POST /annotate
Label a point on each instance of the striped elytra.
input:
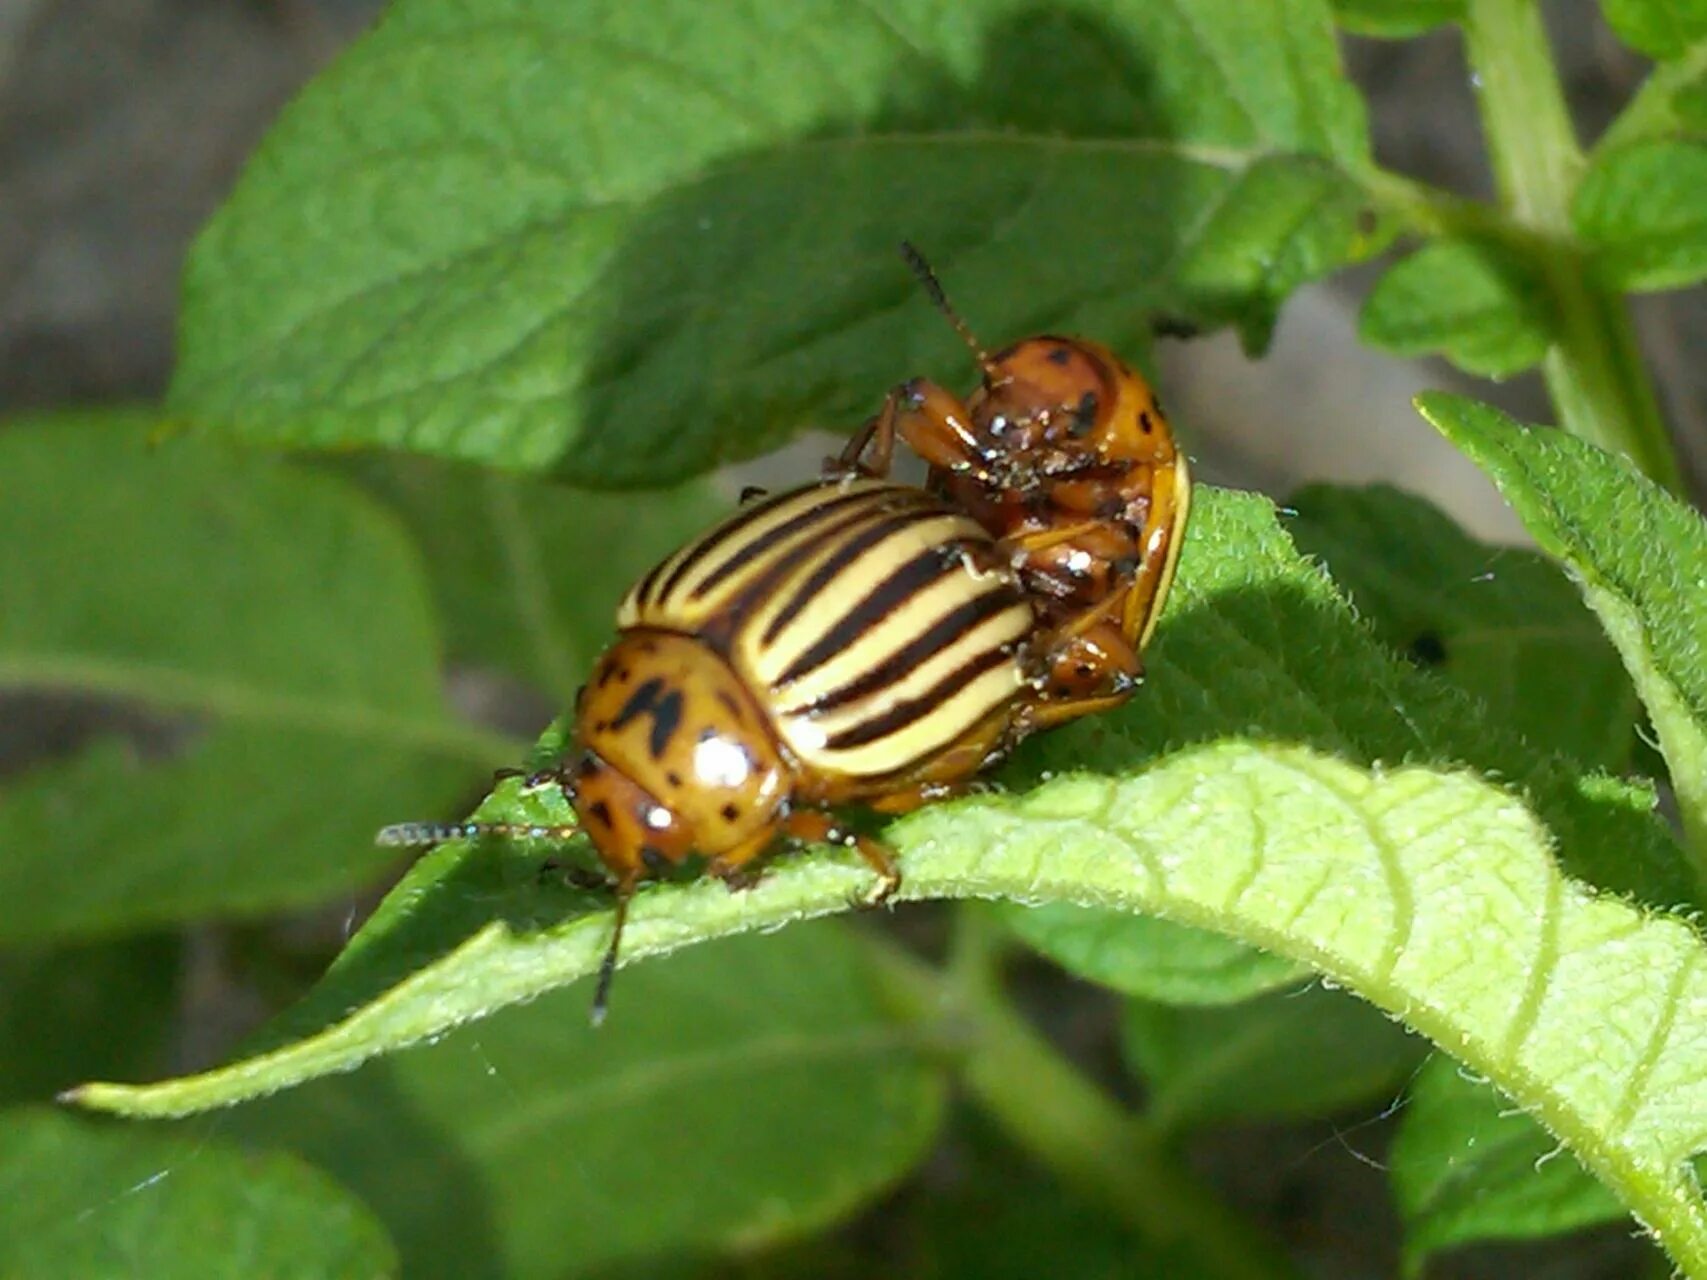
(879, 624)
(852, 642)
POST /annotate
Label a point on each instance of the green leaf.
(1504, 624)
(1467, 1167)
(1476, 303)
(1255, 643)
(74, 1012)
(646, 242)
(92, 1201)
(1640, 557)
(1431, 894)
(1395, 19)
(745, 1093)
(528, 574)
(274, 626)
(1149, 957)
(1641, 210)
(1286, 1055)
(1659, 28)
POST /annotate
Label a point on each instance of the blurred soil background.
(124, 122)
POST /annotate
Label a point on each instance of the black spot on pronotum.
(639, 703)
(651, 700)
(1085, 416)
(673, 778)
(1146, 423)
(1060, 355)
(666, 719)
(1427, 650)
(729, 813)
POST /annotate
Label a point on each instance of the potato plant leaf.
(1284, 1055)
(78, 1198)
(268, 633)
(1467, 1167)
(1659, 28)
(1641, 209)
(1502, 623)
(1476, 303)
(743, 1093)
(1640, 557)
(526, 573)
(626, 245)
(1428, 891)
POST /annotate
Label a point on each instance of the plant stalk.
(1594, 372)
(1065, 1121)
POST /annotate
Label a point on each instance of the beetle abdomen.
(875, 623)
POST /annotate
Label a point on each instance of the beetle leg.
(1043, 539)
(734, 866)
(933, 422)
(819, 827)
(1045, 712)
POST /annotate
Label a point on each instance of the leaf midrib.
(234, 700)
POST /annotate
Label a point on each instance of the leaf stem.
(1594, 372)
(1051, 1110)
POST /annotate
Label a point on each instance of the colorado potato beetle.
(1064, 455)
(853, 641)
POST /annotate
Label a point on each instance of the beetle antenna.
(607, 966)
(939, 296)
(421, 835)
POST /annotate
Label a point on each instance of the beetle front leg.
(931, 420)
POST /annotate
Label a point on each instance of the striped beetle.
(1064, 455)
(853, 641)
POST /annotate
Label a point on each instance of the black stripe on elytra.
(912, 710)
(952, 626)
(930, 565)
(850, 550)
(754, 547)
(700, 550)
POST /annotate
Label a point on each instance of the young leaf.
(1640, 557)
(644, 243)
(741, 1094)
(1502, 623)
(1285, 1055)
(1642, 211)
(528, 574)
(1432, 894)
(1475, 303)
(1659, 28)
(1467, 1167)
(88, 1200)
(1148, 957)
(71, 1012)
(271, 620)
